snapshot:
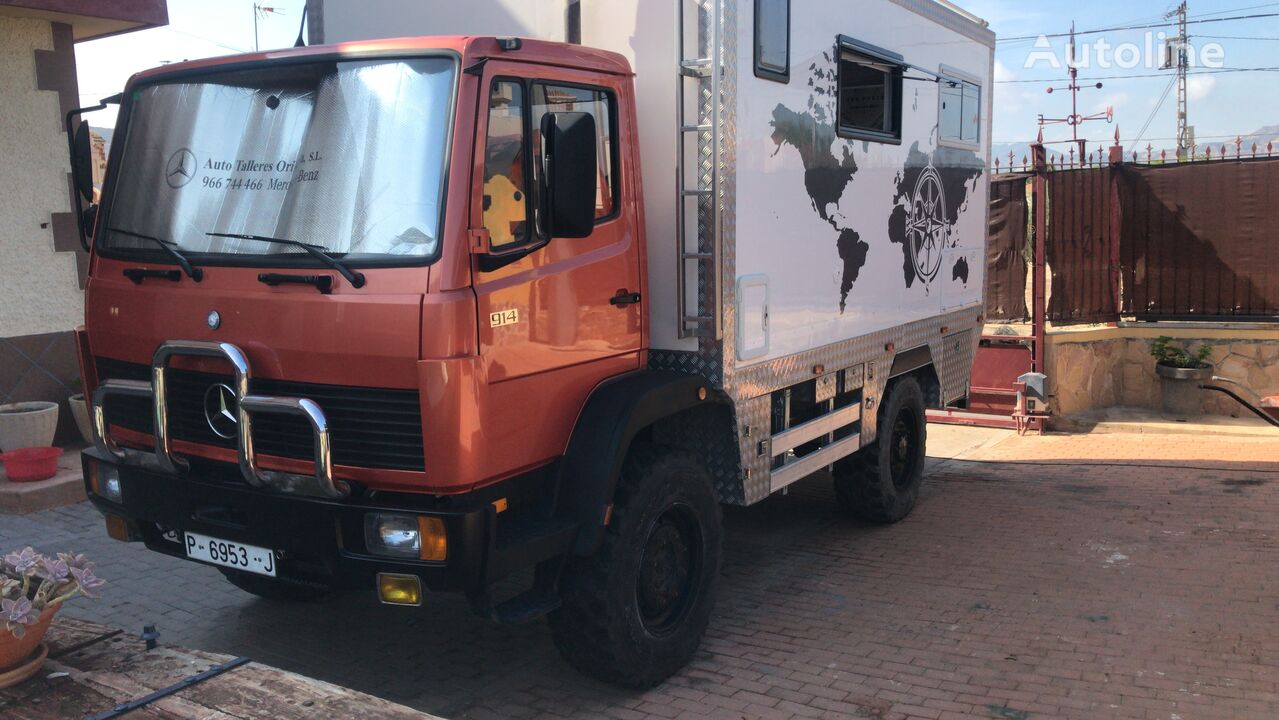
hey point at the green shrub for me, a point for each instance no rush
(1166, 352)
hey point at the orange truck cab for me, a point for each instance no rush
(378, 316)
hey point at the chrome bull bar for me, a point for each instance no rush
(322, 483)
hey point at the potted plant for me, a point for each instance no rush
(80, 411)
(1180, 372)
(27, 424)
(32, 589)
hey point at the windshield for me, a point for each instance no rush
(346, 156)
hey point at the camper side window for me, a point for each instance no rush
(772, 40)
(505, 169)
(959, 109)
(869, 92)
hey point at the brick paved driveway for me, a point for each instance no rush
(1084, 577)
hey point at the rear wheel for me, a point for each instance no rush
(880, 483)
(276, 589)
(635, 613)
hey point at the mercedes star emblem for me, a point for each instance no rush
(180, 169)
(220, 411)
(215, 319)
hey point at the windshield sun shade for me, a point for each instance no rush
(346, 156)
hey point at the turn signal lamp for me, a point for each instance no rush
(395, 589)
(435, 542)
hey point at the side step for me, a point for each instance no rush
(544, 542)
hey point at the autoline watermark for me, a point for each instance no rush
(1155, 51)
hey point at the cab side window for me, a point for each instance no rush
(599, 103)
(506, 170)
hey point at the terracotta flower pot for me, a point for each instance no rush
(14, 651)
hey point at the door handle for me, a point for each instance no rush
(624, 297)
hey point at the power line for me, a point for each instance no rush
(1212, 71)
(1236, 37)
(1241, 9)
(1158, 106)
(1149, 26)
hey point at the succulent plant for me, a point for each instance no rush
(31, 582)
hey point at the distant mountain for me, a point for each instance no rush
(1267, 134)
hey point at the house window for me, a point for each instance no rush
(772, 40)
(869, 87)
(959, 108)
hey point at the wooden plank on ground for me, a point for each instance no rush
(105, 668)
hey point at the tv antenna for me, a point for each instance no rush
(1075, 119)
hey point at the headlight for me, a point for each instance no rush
(393, 535)
(108, 485)
(406, 536)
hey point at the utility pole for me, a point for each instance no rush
(1180, 46)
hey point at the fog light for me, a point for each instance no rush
(399, 589)
(405, 536)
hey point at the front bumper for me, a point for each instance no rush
(317, 540)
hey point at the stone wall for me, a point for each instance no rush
(1092, 370)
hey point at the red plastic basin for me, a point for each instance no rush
(31, 464)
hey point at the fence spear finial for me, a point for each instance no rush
(1149, 150)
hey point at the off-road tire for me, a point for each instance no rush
(629, 616)
(275, 589)
(880, 483)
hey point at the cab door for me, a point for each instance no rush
(569, 314)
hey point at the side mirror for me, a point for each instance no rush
(569, 157)
(82, 162)
(89, 218)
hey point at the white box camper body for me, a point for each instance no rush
(781, 250)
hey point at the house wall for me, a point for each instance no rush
(41, 265)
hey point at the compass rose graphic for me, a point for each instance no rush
(926, 229)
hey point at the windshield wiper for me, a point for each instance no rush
(169, 247)
(355, 278)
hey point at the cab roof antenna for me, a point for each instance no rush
(301, 26)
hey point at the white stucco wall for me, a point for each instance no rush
(39, 292)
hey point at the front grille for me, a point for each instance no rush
(369, 427)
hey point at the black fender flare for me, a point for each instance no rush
(616, 411)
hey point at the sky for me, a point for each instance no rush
(1222, 104)
(196, 29)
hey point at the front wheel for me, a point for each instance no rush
(880, 483)
(635, 612)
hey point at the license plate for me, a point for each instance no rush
(248, 558)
